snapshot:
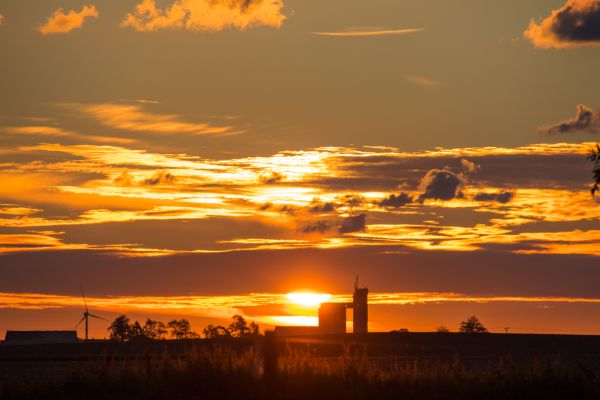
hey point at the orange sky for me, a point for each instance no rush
(181, 149)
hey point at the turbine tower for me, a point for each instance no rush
(86, 316)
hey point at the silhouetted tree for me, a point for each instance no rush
(154, 330)
(472, 325)
(254, 329)
(181, 329)
(442, 329)
(212, 331)
(136, 331)
(120, 329)
(594, 157)
(240, 328)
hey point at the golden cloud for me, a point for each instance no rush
(59, 22)
(40, 130)
(370, 32)
(224, 306)
(205, 15)
(108, 184)
(47, 241)
(29, 240)
(12, 209)
(135, 119)
(549, 205)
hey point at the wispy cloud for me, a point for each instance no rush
(53, 131)
(12, 209)
(134, 118)
(61, 22)
(364, 33)
(50, 241)
(205, 15)
(422, 81)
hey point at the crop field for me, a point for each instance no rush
(377, 366)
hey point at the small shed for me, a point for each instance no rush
(40, 337)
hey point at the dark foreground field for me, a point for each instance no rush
(377, 366)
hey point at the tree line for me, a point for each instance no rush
(470, 325)
(123, 330)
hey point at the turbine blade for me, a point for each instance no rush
(83, 295)
(95, 316)
(80, 321)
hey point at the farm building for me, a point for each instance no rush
(40, 337)
(332, 317)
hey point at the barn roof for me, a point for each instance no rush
(32, 337)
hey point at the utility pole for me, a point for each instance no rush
(506, 329)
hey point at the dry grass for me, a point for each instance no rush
(230, 372)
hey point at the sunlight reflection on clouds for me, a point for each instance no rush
(324, 187)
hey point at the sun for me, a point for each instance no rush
(307, 299)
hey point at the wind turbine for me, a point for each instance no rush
(86, 316)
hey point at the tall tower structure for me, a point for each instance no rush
(360, 307)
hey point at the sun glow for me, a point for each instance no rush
(294, 320)
(307, 299)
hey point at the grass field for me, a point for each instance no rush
(377, 366)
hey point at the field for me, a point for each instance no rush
(375, 366)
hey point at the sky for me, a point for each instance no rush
(198, 159)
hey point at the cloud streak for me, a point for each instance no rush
(135, 118)
(56, 132)
(422, 81)
(369, 33)
(205, 15)
(61, 22)
(205, 303)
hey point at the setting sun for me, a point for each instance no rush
(307, 299)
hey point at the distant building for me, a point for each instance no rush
(40, 337)
(332, 317)
(296, 330)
